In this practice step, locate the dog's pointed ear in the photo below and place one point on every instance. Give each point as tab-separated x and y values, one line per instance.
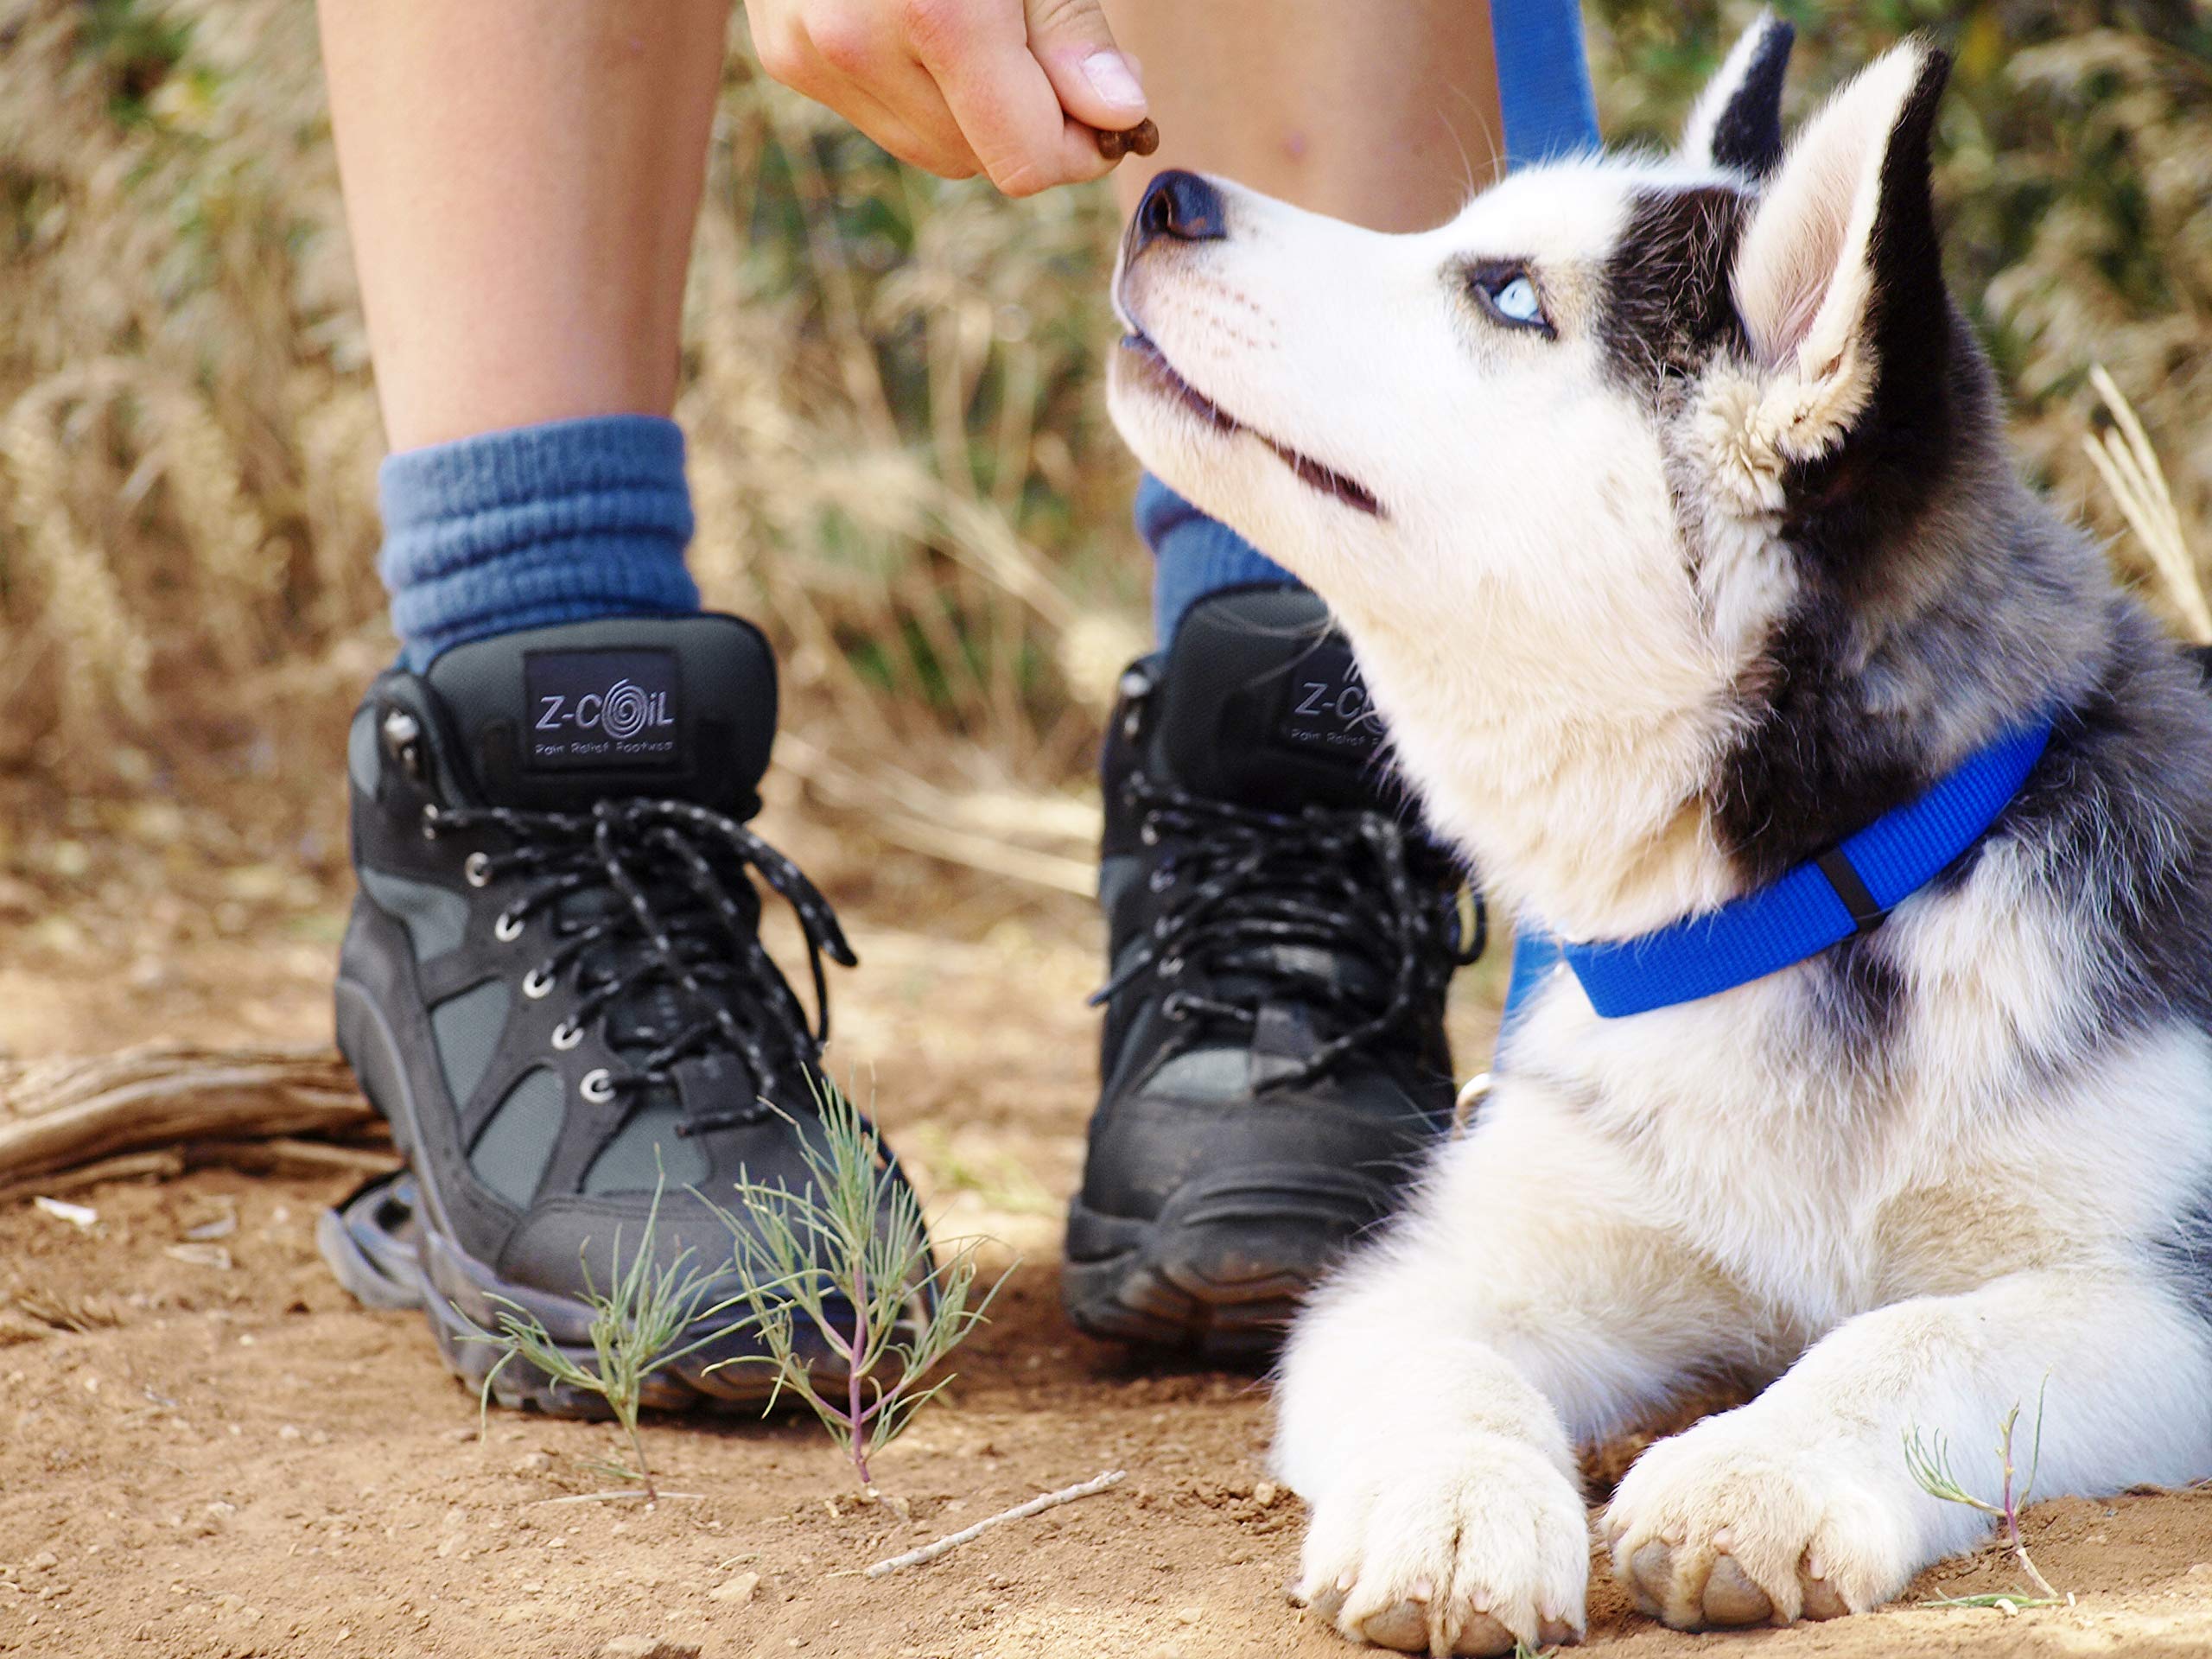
1839	274
1737	121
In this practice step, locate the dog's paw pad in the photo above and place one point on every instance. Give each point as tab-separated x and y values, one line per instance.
1715	1529
1821	1598
1727	1598
1454	1553
1402	1626
1483	1637
1650	1572
1733	1598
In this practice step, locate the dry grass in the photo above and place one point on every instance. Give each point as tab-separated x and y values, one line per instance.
901	459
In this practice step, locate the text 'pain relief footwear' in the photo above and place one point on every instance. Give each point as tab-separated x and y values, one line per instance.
1281	935
553	986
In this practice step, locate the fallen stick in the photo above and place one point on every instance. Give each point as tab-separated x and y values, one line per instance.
1019	1512
61	1114
253	1157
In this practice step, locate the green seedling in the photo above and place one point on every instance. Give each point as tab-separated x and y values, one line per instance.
846	1264
638	1327
1930	1461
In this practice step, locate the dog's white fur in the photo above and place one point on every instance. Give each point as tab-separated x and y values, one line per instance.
1697	1191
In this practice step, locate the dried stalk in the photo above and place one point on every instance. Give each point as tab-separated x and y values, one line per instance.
1019	1512
2130	468
908	812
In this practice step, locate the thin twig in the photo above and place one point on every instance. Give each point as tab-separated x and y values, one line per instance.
1019	1512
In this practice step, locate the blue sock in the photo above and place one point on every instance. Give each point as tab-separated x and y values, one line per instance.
1192	555
1544	92
536	525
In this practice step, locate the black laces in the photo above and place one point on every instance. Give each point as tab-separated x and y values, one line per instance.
1279	903
656	882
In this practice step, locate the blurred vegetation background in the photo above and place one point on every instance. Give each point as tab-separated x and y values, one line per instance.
900	453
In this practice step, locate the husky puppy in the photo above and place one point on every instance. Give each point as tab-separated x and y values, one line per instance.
1664	502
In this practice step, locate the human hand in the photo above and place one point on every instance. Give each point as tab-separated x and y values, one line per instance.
1013	89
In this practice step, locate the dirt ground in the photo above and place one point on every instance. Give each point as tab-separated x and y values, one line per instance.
216	1453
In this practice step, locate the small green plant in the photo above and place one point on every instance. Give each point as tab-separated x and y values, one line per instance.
637	1328
846	1265
1929	1461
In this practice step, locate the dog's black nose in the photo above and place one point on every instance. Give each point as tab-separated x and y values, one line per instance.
1180	206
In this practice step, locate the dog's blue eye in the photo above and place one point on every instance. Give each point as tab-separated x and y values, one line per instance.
1517	300
1507	293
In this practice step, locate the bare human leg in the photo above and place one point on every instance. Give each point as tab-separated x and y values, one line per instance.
1384	115
522	178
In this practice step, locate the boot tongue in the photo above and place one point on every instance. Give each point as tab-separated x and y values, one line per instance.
1258	703
554	719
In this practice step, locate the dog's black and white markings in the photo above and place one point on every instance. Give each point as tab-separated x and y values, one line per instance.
1747	129
1697	553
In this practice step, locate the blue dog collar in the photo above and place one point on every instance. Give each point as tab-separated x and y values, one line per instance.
1817	904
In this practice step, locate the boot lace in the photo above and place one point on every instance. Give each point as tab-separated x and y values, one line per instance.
674	925
1267	899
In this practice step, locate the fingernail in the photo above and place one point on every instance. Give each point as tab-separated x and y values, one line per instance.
1111	77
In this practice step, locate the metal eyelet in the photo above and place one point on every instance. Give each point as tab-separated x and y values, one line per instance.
598	1086
1161	878
1170	967
430	820
508	928
537	984
1174	1006
477	870
1148	833
567	1035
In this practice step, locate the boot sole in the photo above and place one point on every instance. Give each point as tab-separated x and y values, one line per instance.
1224	1267
386	1247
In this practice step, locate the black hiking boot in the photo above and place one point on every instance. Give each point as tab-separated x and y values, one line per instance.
553	988
1281	934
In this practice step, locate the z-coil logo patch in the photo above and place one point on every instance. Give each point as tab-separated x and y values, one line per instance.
1327	707
601	708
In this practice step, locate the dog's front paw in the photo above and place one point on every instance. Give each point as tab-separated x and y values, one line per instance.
1460	1548
1740	1522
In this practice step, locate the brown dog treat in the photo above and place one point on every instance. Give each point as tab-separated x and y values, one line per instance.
1140	140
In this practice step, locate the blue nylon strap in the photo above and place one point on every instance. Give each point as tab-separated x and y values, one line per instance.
1802	913
1544	80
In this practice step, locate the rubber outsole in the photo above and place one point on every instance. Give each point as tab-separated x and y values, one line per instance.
379	1251
386	1246
370	1239
1224	1267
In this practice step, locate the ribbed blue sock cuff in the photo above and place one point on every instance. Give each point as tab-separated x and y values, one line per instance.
1192	555
536	525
